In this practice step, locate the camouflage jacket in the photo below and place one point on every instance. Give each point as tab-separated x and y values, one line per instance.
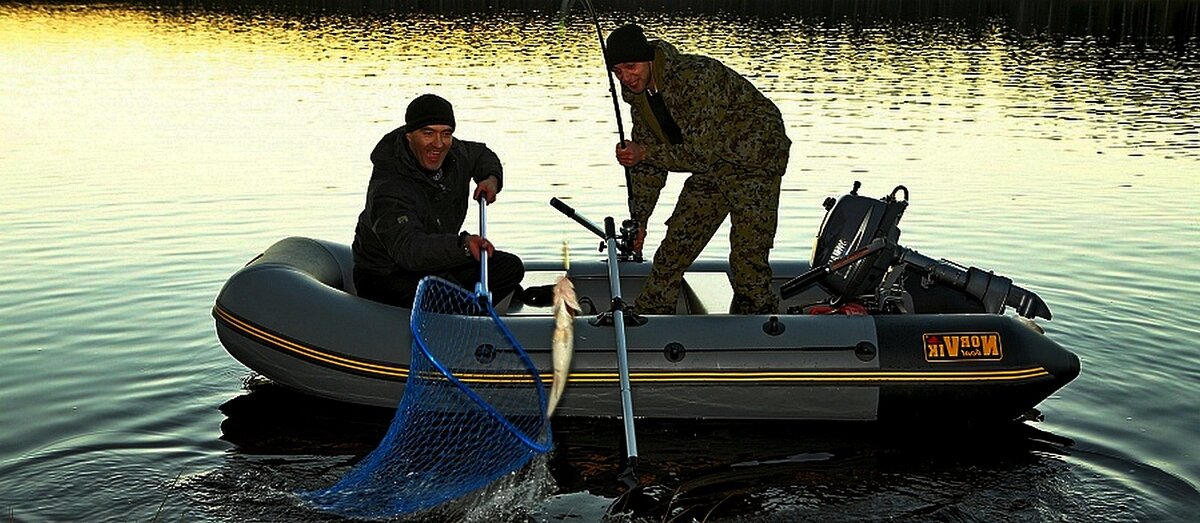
726	122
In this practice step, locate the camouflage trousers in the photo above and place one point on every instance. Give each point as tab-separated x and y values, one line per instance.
752	203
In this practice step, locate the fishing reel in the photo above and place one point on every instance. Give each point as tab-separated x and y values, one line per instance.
622	243
625	238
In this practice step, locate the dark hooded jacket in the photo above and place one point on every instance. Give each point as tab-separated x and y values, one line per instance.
412	223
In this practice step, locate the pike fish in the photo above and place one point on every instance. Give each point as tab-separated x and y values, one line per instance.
566	306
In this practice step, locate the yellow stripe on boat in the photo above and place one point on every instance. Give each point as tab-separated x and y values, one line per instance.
682	377
273	340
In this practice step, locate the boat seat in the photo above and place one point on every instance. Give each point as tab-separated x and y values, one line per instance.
706	293
593	289
702	292
632	287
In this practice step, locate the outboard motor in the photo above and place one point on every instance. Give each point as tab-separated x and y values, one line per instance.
857	258
852	224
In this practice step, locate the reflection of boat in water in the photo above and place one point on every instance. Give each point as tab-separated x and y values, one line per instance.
829	471
733	470
902	336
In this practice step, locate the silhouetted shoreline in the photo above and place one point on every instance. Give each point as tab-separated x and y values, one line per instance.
1116	20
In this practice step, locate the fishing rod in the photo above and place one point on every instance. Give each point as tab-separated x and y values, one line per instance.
612	85
629	228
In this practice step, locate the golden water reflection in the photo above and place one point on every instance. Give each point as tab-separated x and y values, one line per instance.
147	152
240	104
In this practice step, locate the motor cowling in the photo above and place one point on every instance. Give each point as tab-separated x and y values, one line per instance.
852	222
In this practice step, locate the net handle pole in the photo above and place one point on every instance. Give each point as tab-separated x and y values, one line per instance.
482	289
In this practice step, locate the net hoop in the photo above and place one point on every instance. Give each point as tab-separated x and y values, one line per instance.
419	342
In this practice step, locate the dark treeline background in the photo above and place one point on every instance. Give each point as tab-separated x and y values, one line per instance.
1118	20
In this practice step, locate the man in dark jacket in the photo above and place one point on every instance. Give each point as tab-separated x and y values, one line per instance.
693	114
416	204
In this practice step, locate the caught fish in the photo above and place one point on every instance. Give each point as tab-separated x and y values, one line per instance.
566	306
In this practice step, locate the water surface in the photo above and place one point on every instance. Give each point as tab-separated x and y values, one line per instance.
149	151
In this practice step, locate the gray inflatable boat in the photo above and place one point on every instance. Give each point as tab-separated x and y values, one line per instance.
858	341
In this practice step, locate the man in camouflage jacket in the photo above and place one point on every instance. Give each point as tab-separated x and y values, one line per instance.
693	114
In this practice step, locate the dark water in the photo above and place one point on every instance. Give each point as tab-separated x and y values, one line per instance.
148	151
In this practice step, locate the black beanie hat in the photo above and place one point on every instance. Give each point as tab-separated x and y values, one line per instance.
627	44
428	109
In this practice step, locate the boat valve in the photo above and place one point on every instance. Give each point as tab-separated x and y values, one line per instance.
674	352
865	351
485	353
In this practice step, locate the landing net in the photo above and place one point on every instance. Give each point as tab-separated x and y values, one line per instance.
473	411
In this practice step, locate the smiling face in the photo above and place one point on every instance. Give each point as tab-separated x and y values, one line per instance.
635	76
430	144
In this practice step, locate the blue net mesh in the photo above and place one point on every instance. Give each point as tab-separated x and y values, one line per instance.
473	411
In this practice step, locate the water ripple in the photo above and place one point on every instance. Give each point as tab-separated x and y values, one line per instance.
150	151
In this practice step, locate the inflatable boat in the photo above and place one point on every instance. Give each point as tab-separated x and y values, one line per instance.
869	330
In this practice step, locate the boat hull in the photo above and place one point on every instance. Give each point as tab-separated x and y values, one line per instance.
292	316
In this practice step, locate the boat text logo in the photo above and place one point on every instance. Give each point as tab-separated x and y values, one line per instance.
963	346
